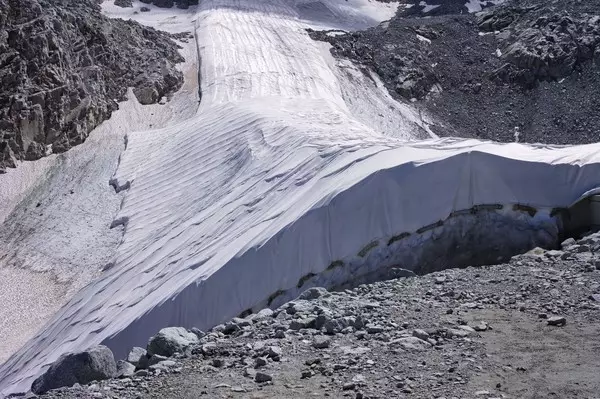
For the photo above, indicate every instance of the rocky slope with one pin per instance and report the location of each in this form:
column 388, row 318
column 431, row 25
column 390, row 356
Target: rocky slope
column 64, row 67
column 524, row 329
column 525, row 70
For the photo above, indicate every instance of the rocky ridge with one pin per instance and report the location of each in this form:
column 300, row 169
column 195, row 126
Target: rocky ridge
column 63, row 69
column 158, row 3
column 524, row 70
column 170, row 3
column 523, row 329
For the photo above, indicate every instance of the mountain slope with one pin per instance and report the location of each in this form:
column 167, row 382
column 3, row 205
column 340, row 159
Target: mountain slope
column 524, row 70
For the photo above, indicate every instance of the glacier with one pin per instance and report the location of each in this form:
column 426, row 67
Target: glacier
column 283, row 180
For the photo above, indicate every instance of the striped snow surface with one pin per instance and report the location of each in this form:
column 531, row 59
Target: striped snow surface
column 273, row 179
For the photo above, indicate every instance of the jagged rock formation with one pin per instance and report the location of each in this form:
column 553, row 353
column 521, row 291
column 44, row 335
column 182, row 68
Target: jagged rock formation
column 64, row 67
column 124, row 3
column 542, row 46
column 522, row 70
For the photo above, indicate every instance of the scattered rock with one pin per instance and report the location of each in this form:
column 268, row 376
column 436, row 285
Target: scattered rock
column 265, row 313
column 557, row 321
column 412, row 343
column 299, row 324
column 135, row 355
column 249, row 372
column 321, row 342
column 262, row 377
column 374, row 329
column 125, row 369
column 421, row 334
column 170, row 340
column 481, row 326
column 314, row 293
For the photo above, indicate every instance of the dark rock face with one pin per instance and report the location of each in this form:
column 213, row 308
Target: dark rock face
column 170, row 3
column 64, row 67
column 525, row 70
column 124, row 3
column 547, row 48
column 93, row 365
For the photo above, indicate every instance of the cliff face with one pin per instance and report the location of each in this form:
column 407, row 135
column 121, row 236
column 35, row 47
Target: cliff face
column 63, row 68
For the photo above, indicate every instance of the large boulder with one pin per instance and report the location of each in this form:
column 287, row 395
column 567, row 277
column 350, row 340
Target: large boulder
column 170, row 340
column 95, row 364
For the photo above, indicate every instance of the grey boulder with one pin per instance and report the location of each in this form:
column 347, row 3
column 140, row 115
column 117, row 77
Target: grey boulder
column 170, row 340
column 95, row 364
column 125, row 369
column 135, row 355
column 314, row 293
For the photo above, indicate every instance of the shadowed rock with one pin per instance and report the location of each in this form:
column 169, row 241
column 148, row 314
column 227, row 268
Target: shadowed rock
column 94, row 364
column 63, row 68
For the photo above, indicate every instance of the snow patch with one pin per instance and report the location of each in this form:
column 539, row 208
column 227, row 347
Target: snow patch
column 428, row 7
column 423, row 39
column 478, row 5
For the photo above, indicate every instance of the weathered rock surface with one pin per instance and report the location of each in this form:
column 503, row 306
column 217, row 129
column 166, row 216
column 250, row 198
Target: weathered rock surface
column 170, row 3
column 124, row 3
column 171, row 340
column 540, row 46
column 125, row 369
column 63, row 68
column 136, row 355
column 78, row 368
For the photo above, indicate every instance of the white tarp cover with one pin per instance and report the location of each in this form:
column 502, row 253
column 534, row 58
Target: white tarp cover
column 274, row 179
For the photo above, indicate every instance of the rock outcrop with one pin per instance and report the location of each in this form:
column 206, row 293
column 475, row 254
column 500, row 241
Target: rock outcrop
column 170, row 3
column 63, row 69
column 542, row 46
column 124, row 3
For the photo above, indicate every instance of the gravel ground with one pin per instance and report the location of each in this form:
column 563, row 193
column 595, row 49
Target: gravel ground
column 525, row 329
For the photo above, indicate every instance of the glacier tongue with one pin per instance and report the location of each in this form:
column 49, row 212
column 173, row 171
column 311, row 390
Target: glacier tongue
column 274, row 180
